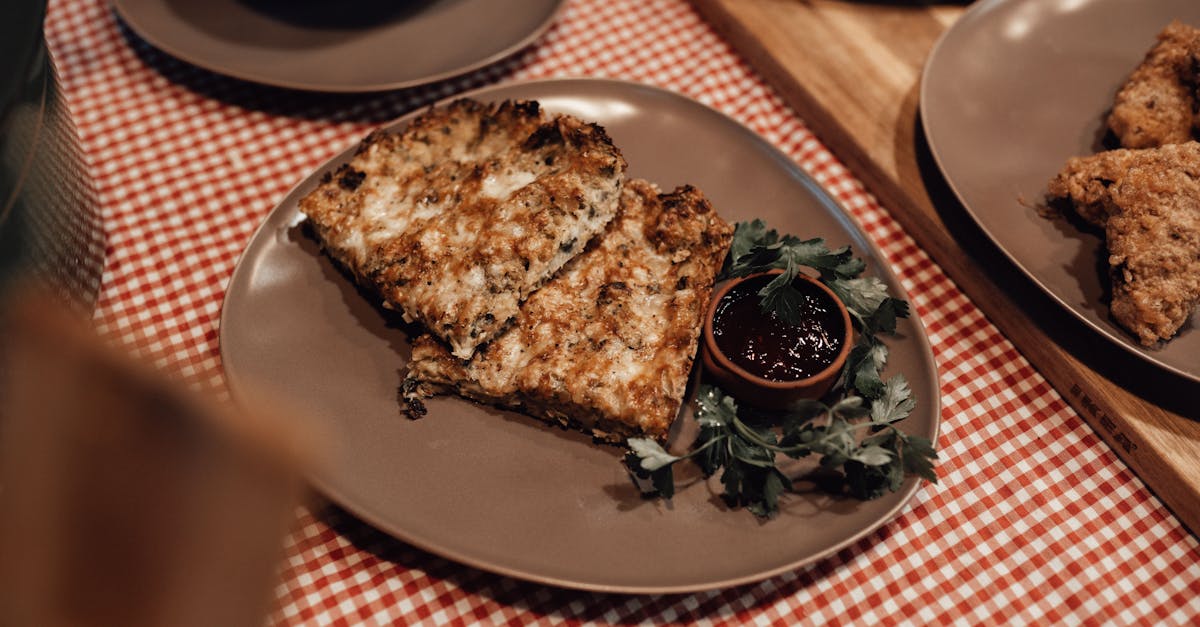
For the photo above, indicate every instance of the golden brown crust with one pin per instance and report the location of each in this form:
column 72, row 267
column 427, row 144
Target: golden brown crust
column 1084, row 182
column 1148, row 202
column 1157, row 105
column 607, row 345
column 459, row 217
column 1153, row 234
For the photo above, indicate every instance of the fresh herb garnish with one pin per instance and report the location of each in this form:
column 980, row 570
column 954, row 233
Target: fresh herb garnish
column 855, row 436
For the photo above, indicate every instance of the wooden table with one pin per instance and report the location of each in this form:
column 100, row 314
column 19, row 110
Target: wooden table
column 1033, row 521
column 852, row 70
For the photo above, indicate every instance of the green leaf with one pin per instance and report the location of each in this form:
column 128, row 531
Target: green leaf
column 917, row 457
column 849, row 268
column 756, row 249
column 763, row 255
column 758, row 508
column 800, row 414
column 888, row 439
column 746, row 236
column 664, row 481
column 862, row 296
column 715, row 408
column 873, row 456
column 757, row 488
column 883, row 319
column 866, row 482
column 849, row 408
column 895, row 402
column 784, row 301
column 713, row 457
column 806, row 409
column 634, row 464
column 812, row 253
column 838, row 439
column 731, row 480
column 651, row 453
column 773, row 486
column 764, row 501
column 751, row 453
column 866, row 359
column 834, row 458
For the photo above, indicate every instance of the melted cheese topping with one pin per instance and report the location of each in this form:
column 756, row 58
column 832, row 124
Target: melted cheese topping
column 609, row 342
column 502, row 186
column 457, row 220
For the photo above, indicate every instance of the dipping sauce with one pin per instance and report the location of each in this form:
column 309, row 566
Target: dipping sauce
column 769, row 347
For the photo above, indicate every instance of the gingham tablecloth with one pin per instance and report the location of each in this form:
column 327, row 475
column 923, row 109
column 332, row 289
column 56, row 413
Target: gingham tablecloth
column 1034, row 519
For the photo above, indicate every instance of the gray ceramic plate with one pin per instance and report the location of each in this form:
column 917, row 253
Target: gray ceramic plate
column 1011, row 91
column 344, row 46
column 503, row 492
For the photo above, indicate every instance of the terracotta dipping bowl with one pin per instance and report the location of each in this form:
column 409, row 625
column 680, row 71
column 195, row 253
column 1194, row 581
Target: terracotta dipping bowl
column 758, row 391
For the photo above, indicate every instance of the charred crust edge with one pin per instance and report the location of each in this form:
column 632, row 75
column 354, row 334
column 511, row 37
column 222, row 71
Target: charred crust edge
column 349, row 178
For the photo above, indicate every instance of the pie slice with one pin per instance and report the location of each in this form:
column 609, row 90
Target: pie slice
column 460, row 217
column 1148, row 202
column 606, row 346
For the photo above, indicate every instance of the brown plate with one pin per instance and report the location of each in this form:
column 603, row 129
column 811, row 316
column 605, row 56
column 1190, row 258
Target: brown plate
column 501, row 491
column 1011, row 91
column 344, row 46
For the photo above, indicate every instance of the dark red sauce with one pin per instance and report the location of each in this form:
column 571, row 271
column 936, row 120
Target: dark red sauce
column 768, row 347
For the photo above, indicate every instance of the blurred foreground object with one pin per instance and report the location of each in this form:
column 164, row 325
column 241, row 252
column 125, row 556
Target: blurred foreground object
column 123, row 499
column 50, row 228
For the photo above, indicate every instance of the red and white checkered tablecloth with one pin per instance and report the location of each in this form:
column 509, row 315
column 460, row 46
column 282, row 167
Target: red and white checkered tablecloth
column 1034, row 519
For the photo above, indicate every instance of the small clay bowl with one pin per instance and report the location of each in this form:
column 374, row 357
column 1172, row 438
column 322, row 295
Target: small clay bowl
column 759, row 391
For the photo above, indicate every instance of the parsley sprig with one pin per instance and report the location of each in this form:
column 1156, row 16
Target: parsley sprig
column 855, row 436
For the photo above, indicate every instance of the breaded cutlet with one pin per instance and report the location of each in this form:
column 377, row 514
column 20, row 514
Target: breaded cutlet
column 1086, row 181
column 458, row 218
column 1158, row 104
column 606, row 345
column 1148, row 202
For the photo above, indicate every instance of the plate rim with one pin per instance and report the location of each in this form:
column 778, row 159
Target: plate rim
column 1112, row 335
column 121, row 9
column 365, row 513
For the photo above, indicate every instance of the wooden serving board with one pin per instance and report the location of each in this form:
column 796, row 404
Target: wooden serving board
column 852, row 70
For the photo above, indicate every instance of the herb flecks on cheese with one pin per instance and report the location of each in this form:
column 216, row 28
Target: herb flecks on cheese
column 457, row 219
column 607, row 344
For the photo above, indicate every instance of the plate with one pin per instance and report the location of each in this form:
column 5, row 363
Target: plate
column 362, row 45
column 503, row 492
column 1011, row 91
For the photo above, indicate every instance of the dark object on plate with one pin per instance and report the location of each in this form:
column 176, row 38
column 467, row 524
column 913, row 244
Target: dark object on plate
column 496, row 490
column 765, row 361
column 343, row 14
column 1013, row 90
column 50, row 231
column 362, row 45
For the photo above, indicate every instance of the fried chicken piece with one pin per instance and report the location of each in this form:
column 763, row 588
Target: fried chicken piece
column 1148, row 202
column 1158, row 104
column 1086, row 181
column 1154, row 248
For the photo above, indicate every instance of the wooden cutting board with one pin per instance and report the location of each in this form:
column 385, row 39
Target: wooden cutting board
column 852, row 70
